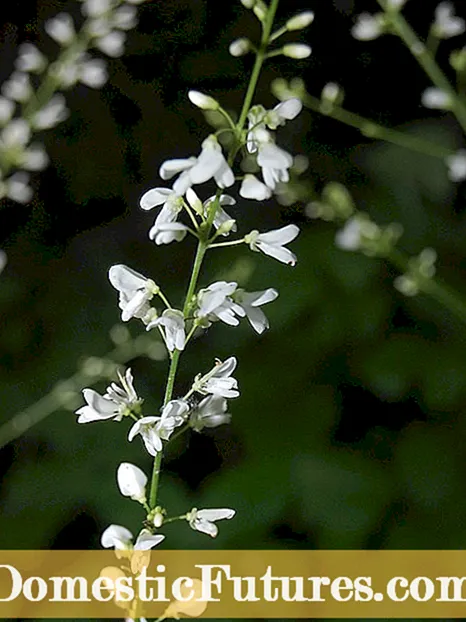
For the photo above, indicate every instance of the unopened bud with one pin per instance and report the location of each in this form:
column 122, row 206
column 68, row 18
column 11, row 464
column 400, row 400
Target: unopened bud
column 260, row 10
column 249, row 4
column 240, row 47
column 300, row 21
column 458, row 60
column 332, row 93
column 158, row 520
column 296, row 50
column 205, row 102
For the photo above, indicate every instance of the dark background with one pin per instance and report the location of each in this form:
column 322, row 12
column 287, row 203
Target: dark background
column 350, row 430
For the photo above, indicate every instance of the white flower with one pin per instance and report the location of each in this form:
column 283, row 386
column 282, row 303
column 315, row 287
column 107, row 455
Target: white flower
column 7, row 108
column 252, row 188
column 456, row 164
column 17, row 188
column 173, row 322
column 50, row 115
column 214, row 303
column 94, row 8
column 112, row 44
column 349, row 237
column 18, row 87
column 35, row 158
column 172, row 205
column 132, row 482
column 15, row 135
column 446, row 23
column 251, row 301
column 135, row 292
column 203, row 520
column 120, row 538
column 146, row 428
column 368, row 27
column 209, row 164
column 284, row 111
column 125, row 17
column 275, row 163
column 209, row 413
column 115, row 404
column 155, row 429
column 297, row 50
column 61, row 28
column 435, row 98
column 218, row 381
column 93, row 72
column 272, row 243
column 30, row 59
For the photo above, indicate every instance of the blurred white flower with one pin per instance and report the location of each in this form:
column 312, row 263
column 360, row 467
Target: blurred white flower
column 239, row 47
column 18, row 87
column 446, row 23
column 204, row 520
column 457, row 165
column 435, row 98
column 50, row 115
column 368, row 27
column 349, row 237
column 30, row 59
column 61, row 29
column 272, row 243
column 7, row 108
column 275, row 163
column 112, row 44
column 17, row 188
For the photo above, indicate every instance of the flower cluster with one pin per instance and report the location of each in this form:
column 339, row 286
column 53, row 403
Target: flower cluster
column 206, row 404
column 30, row 99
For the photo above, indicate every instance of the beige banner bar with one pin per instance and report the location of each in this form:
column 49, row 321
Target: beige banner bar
column 233, row 584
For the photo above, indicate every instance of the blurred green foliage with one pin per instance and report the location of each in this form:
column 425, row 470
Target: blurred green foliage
column 350, row 428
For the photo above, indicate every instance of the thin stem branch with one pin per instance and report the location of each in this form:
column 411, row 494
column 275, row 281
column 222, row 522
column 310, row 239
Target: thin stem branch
column 426, row 60
column 370, row 129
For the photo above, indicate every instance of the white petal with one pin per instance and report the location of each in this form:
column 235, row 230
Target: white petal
column 216, row 514
column 278, row 252
column 280, row 236
column 252, row 188
column 112, row 44
column 116, row 536
column 154, row 197
column 131, row 481
column 170, row 168
column 146, row 540
column 125, row 279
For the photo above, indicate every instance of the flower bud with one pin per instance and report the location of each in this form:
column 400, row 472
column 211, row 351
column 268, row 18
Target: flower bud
column 204, row 102
column 260, row 10
column 194, row 201
column 240, row 47
column 332, row 94
column 132, row 482
column 158, row 520
column 300, row 21
column 248, row 4
column 296, row 50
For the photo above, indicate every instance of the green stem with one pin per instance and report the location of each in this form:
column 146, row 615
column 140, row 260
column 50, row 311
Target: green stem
column 260, row 57
column 425, row 59
column 374, row 130
column 205, row 231
column 434, row 287
column 201, row 250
